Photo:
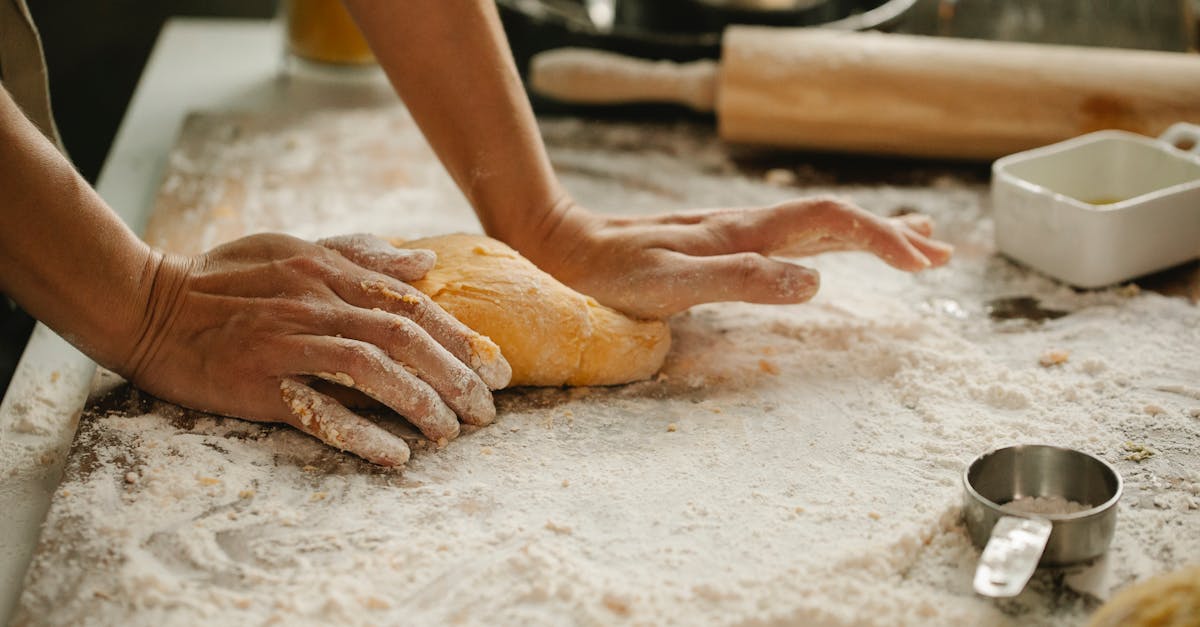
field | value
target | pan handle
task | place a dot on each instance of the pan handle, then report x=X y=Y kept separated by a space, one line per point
x=1011 y=555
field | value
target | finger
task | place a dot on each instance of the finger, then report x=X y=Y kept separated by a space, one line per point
x=476 y=351
x=918 y=222
x=746 y=277
x=938 y=253
x=376 y=254
x=321 y=417
x=407 y=343
x=368 y=369
x=795 y=229
x=884 y=240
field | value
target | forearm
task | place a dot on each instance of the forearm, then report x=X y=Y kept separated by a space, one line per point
x=64 y=255
x=449 y=61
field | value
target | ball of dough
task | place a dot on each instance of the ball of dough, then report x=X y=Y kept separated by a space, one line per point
x=1170 y=600
x=550 y=334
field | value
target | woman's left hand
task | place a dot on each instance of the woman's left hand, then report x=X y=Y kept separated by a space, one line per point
x=652 y=267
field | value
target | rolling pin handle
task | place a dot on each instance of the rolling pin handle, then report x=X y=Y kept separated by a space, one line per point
x=1184 y=136
x=597 y=77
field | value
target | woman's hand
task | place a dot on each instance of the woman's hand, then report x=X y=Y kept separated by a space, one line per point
x=240 y=330
x=653 y=267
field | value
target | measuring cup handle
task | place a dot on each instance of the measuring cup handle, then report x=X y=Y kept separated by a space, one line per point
x=1184 y=136
x=1011 y=555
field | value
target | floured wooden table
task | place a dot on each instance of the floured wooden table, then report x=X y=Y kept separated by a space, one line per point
x=791 y=465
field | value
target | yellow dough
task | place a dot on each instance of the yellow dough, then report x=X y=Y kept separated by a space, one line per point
x=1170 y=600
x=550 y=334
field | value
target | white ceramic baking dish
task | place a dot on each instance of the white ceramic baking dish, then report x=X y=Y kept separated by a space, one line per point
x=1101 y=208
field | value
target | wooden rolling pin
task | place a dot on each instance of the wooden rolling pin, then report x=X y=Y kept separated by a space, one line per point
x=894 y=94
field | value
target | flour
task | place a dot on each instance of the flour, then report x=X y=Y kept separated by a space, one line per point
x=820 y=489
x=1053 y=505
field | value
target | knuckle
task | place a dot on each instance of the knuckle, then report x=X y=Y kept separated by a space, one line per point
x=319 y=265
x=748 y=269
x=404 y=330
x=306 y=265
x=294 y=311
x=362 y=356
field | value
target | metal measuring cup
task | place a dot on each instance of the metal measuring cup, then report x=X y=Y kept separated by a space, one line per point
x=1015 y=544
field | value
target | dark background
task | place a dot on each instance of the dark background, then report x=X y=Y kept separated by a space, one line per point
x=95 y=52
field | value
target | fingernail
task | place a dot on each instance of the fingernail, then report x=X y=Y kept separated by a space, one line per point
x=442 y=425
x=800 y=283
x=488 y=362
x=387 y=453
x=481 y=406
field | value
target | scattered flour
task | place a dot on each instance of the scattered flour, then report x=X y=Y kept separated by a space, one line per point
x=822 y=489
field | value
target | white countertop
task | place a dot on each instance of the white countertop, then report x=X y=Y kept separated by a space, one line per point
x=197 y=64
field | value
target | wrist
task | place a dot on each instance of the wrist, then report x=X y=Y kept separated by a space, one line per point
x=150 y=313
x=544 y=235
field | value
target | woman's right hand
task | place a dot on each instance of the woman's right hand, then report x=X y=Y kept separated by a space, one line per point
x=242 y=330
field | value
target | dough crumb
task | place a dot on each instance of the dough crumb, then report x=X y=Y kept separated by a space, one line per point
x=566 y=482
x=245 y=494
x=874 y=515
x=1130 y=290
x=487 y=450
x=1137 y=452
x=1194 y=412
x=410 y=299
x=672 y=428
x=1154 y=410
x=780 y=176
x=768 y=367
x=617 y=604
x=799 y=510
x=131 y=477
x=562 y=530
x=339 y=378
x=376 y=603
x=318 y=496
x=1054 y=357
x=208 y=480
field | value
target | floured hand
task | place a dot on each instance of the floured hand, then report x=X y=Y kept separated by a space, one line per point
x=242 y=329
x=656 y=266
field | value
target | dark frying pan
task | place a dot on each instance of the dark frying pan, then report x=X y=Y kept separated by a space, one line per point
x=681 y=30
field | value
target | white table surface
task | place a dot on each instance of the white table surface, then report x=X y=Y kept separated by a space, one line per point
x=197 y=64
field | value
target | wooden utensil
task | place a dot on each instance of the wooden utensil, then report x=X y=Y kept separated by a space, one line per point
x=894 y=94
